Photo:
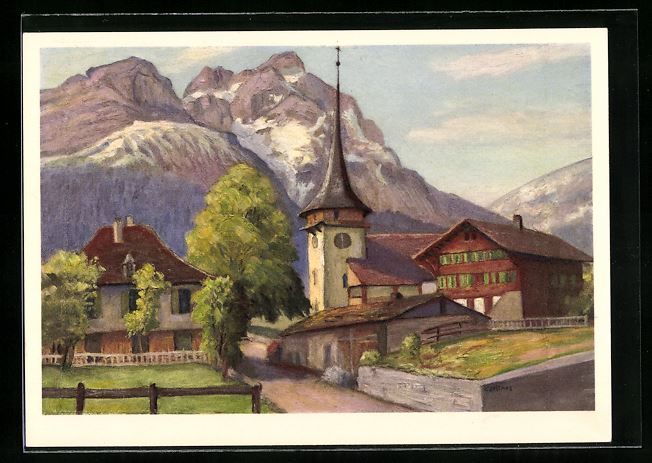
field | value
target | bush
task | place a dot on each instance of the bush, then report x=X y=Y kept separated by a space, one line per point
x=411 y=346
x=370 y=358
x=338 y=376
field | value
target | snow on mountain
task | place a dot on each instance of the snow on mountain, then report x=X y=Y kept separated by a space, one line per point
x=122 y=124
x=560 y=202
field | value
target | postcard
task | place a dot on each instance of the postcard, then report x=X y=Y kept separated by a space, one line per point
x=316 y=238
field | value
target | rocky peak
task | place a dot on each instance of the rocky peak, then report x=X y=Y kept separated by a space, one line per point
x=288 y=64
x=86 y=108
x=209 y=79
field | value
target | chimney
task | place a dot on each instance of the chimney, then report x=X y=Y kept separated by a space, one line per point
x=117 y=230
x=130 y=220
x=517 y=220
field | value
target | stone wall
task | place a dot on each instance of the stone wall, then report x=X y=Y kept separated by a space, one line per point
x=566 y=383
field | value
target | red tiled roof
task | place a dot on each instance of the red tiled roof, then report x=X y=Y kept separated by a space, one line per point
x=145 y=246
x=389 y=260
x=511 y=238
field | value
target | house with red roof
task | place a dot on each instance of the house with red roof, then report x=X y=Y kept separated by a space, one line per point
x=121 y=249
x=505 y=271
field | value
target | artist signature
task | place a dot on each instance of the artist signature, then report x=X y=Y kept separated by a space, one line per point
x=498 y=387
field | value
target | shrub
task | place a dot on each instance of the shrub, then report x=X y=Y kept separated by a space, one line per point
x=411 y=346
x=370 y=358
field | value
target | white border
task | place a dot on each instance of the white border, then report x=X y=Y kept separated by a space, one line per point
x=315 y=429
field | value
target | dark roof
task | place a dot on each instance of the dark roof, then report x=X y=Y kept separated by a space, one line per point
x=336 y=190
x=389 y=259
x=361 y=313
x=511 y=238
x=145 y=246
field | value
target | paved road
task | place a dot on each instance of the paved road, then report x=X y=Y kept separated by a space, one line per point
x=300 y=392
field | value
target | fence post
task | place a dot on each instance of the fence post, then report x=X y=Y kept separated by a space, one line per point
x=255 y=397
x=81 y=397
x=153 y=399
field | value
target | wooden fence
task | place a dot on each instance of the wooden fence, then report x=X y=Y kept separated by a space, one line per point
x=80 y=393
x=452 y=329
x=181 y=356
x=539 y=323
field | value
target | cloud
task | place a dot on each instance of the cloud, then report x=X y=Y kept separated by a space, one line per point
x=502 y=128
x=509 y=61
x=184 y=58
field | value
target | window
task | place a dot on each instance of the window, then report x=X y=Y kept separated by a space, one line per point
x=486 y=278
x=467 y=236
x=441 y=282
x=182 y=340
x=342 y=240
x=466 y=280
x=94 y=305
x=314 y=277
x=184 y=301
x=128 y=301
x=315 y=241
x=451 y=281
x=345 y=281
x=355 y=291
x=337 y=214
x=502 y=277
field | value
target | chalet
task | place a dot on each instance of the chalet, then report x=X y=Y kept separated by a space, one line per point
x=505 y=271
x=122 y=249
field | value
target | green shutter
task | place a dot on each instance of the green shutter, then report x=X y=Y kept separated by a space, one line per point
x=502 y=277
x=124 y=303
x=175 y=301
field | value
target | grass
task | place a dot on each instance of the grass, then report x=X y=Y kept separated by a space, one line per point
x=489 y=354
x=267 y=329
x=181 y=375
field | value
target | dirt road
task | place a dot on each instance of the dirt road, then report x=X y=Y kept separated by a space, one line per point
x=299 y=392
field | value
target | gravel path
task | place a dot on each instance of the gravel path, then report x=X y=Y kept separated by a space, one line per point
x=297 y=391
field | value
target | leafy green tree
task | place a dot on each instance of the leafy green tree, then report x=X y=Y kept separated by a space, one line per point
x=242 y=234
x=150 y=285
x=582 y=304
x=213 y=304
x=411 y=346
x=68 y=293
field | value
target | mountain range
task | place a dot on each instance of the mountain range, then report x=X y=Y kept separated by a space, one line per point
x=118 y=140
x=560 y=203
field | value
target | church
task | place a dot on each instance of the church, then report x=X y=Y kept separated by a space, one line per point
x=369 y=291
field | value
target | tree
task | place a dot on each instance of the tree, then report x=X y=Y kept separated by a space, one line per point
x=582 y=304
x=150 y=284
x=213 y=304
x=68 y=293
x=241 y=233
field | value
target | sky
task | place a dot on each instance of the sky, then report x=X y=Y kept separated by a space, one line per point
x=474 y=120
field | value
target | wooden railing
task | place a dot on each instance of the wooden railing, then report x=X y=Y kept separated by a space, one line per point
x=539 y=323
x=153 y=392
x=452 y=329
x=180 y=356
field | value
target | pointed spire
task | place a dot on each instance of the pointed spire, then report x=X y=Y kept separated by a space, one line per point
x=336 y=191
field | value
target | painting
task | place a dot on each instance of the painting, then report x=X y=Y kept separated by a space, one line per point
x=324 y=227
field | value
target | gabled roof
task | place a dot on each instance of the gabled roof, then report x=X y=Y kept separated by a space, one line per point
x=389 y=259
x=361 y=313
x=513 y=239
x=336 y=191
x=144 y=246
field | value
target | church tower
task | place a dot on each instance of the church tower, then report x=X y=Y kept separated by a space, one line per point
x=335 y=225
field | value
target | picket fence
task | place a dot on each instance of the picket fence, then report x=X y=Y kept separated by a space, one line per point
x=539 y=323
x=81 y=359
